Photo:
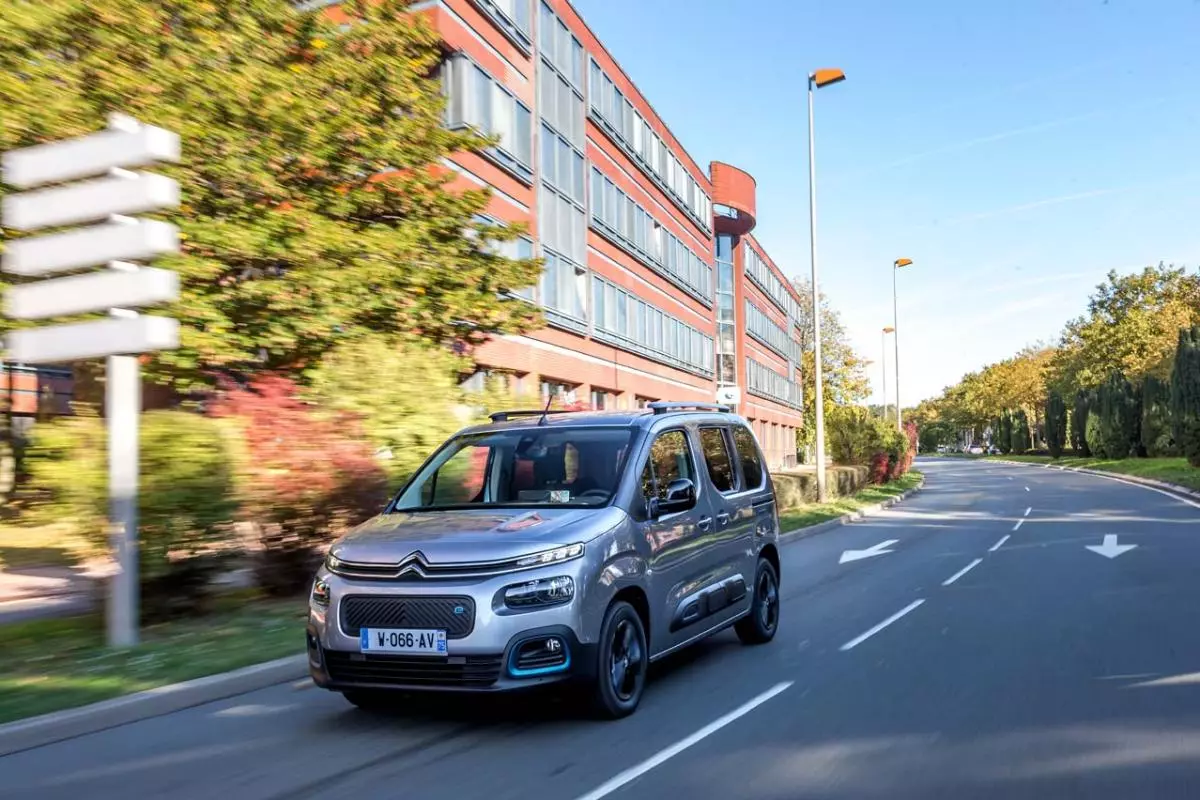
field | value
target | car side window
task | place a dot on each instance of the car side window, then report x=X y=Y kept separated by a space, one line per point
x=747 y=451
x=716 y=457
x=670 y=459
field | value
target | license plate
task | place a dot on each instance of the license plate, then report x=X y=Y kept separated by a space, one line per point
x=410 y=641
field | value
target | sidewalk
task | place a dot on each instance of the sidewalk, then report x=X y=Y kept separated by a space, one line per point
x=40 y=592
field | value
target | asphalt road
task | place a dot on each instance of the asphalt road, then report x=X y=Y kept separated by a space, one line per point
x=1014 y=662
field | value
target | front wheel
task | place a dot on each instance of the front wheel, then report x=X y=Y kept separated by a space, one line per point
x=623 y=662
x=759 y=626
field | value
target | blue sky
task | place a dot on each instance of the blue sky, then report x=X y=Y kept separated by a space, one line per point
x=1016 y=151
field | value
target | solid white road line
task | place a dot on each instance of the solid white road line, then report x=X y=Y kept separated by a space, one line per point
x=998 y=544
x=856 y=641
x=1017 y=527
x=1027 y=511
x=633 y=773
x=962 y=572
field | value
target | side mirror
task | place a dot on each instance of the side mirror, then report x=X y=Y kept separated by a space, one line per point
x=681 y=495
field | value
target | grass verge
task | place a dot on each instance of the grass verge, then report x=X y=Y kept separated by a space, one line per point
x=817 y=513
x=63 y=663
x=1171 y=470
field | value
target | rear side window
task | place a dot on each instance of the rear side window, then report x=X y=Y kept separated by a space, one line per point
x=670 y=459
x=716 y=456
x=747 y=452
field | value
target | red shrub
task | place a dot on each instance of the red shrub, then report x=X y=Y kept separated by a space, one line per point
x=879 y=468
x=308 y=477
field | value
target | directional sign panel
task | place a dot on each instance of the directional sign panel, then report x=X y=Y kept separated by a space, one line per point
x=89 y=156
x=95 y=291
x=138 y=240
x=90 y=201
x=117 y=335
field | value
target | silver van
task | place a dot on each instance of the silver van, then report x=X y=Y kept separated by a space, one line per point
x=553 y=547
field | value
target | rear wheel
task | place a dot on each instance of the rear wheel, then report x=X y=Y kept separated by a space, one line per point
x=759 y=626
x=623 y=661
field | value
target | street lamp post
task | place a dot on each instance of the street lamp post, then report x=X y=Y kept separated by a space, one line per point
x=816 y=80
x=883 y=360
x=899 y=262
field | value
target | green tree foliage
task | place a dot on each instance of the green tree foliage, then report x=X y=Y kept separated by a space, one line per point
x=1120 y=417
x=1094 y=433
x=1130 y=327
x=1079 y=420
x=315 y=207
x=1156 y=417
x=1185 y=395
x=1019 y=441
x=1056 y=424
x=854 y=436
x=186 y=501
x=405 y=395
x=1004 y=432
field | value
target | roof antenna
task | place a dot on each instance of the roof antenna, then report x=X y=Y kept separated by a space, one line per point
x=546 y=410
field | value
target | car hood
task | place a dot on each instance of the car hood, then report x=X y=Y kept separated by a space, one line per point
x=457 y=536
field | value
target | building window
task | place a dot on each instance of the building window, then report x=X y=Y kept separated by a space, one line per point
x=551 y=389
x=631 y=323
x=762 y=328
x=765 y=382
x=601 y=399
x=475 y=99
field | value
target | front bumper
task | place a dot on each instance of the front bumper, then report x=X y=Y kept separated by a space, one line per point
x=339 y=670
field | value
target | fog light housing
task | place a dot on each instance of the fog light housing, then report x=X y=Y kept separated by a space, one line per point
x=540 y=593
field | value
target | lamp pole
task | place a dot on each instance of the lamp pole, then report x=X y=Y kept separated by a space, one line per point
x=816 y=80
x=883 y=359
x=896 y=266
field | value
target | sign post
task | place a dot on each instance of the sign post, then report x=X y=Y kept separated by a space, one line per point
x=102 y=197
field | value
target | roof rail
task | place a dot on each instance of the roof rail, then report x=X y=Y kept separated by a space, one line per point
x=504 y=416
x=663 y=406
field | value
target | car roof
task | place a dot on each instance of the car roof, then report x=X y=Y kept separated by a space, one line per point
x=639 y=418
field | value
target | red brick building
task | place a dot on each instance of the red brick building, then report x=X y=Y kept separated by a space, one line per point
x=654 y=286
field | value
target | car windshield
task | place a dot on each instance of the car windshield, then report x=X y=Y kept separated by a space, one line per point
x=569 y=466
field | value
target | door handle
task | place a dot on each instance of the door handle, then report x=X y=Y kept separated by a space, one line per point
x=723 y=518
x=705 y=523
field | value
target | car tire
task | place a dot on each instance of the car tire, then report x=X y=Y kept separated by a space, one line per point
x=366 y=700
x=622 y=661
x=760 y=625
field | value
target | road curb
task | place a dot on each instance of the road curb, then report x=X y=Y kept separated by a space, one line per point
x=1182 y=492
x=797 y=534
x=61 y=725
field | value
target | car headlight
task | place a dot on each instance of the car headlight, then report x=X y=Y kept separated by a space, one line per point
x=555 y=556
x=320 y=592
x=332 y=562
x=542 y=592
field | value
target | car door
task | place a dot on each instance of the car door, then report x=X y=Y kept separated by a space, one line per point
x=732 y=504
x=673 y=537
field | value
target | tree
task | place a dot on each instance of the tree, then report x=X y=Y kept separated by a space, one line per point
x=1079 y=421
x=843 y=374
x=1120 y=417
x=1056 y=424
x=1185 y=395
x=1020 y=431
x=1156 y=417
x=1130 y=327
x=315 y=207
x=1005 y=432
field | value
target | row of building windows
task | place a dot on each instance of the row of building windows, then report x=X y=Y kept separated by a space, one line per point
x=764 y=329
x=510 y=16
x=641 y=327
x=765 y=278
x=475 y=99
x=619 y=216
x=765 y=382
x=559 y=47
x=560 y=104
x=618 y=116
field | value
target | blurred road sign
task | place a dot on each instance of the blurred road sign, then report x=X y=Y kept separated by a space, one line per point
x=125 y=144
x=90 y=201
x=93 y=291
x=134 y=240
x=729 y=395
x=105 y=337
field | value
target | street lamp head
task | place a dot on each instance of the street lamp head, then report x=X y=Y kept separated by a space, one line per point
x=889 y=329
x=826 y=77
x=903 y=262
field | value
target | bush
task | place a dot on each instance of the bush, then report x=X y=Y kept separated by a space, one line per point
x=880 y=463
x=1019 y=441
x=1120 y=417
x=309 y=477
x=1094 y=436
x=1056 y=424
x=1156 y=417
x=1004 y=436
x=186 y=499
x=1084 y=401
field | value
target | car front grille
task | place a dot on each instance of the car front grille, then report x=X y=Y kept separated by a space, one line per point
x=462 y=671
x=455 y=615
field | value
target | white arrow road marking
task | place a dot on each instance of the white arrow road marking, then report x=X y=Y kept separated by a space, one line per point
x=875 y=550
x=1110 y=548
